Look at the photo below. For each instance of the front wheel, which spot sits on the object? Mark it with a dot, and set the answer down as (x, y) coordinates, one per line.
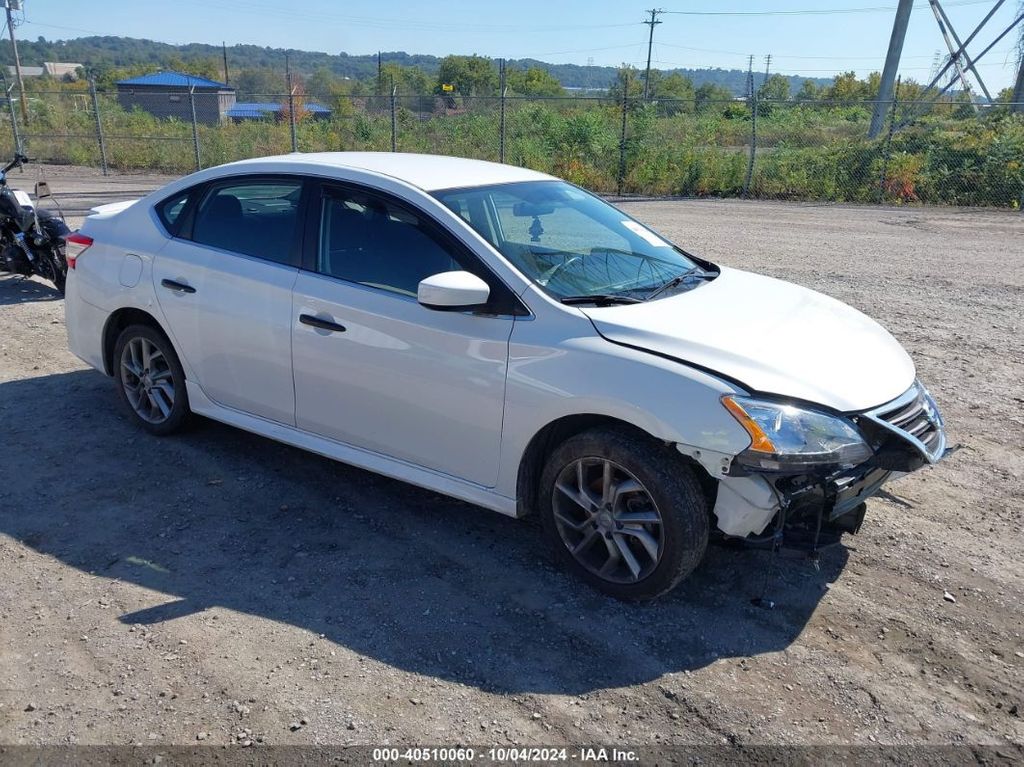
(624, 513)
(151, 381)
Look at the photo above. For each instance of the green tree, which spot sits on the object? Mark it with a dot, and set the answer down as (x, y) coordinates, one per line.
(259, 83)
(323, 85)
(775, 88)
(209, 68)
(847, 88)
(410, 81)
(673, 93)
(712, 97)
(809, 91)
(470, 75)
(535, 81)
(627, 77)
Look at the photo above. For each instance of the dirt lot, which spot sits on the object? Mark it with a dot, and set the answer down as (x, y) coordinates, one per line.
(220, 588)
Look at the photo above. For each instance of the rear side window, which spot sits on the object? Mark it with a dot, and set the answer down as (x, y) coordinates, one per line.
(252, 217)
(169, 211)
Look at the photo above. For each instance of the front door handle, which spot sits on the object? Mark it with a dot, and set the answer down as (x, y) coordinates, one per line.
(179, 287)
(316, 322)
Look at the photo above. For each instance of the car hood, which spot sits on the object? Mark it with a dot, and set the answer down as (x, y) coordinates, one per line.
(771, 336)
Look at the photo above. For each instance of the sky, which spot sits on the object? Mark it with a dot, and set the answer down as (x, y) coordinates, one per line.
(603, 32)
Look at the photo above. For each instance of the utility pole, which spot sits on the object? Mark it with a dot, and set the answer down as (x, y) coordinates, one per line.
(750, 77)
(652, 23)
(892, 63)
(17, 59)
(380, 75)
(224, 49)
(953, 52)
(1018, 90)
(767, 69)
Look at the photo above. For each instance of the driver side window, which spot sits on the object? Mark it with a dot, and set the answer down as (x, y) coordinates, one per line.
(374, 242)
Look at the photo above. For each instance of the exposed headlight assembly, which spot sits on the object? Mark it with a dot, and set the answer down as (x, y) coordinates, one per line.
(785, 437)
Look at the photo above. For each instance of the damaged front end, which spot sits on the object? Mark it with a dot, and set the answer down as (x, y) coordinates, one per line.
(807, 473)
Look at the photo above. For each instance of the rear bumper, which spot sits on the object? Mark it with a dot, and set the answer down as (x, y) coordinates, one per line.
(85, 324)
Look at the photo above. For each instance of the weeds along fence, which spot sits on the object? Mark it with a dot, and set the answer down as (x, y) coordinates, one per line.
(810, 150)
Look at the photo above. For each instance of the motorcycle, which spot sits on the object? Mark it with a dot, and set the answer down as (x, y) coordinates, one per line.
(31, 239)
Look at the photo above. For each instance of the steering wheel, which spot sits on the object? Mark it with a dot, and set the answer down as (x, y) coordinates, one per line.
(545, 278)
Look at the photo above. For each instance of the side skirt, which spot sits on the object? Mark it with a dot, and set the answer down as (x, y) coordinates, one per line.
(364, 459)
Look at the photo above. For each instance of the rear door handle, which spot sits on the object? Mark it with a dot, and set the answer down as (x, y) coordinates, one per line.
(316, 322)
(179, 287)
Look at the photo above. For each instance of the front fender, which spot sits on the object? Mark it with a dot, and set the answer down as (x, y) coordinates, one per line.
(587, 375)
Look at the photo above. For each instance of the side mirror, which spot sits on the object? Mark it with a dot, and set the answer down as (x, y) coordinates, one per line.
(450, 291)
(42, 190)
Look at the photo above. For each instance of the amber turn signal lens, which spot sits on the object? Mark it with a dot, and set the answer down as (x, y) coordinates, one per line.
(758, 439)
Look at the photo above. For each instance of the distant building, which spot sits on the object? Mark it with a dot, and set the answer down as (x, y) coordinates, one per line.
(60, 69)
(26, 71)
(166, 94)
(269, 110)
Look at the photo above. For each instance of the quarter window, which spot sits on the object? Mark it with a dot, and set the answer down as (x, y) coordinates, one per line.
(255, 218)
(374, 242)
(170, 210)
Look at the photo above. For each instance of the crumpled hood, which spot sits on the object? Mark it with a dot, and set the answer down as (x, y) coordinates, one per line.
(771, 336)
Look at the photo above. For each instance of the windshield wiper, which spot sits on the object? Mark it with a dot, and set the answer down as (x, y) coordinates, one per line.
(601, 299)
(678, 280)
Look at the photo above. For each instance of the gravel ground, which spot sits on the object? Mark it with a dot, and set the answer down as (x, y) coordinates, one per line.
(220, 588)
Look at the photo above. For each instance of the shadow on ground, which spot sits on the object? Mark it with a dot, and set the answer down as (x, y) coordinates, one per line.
(219, 517)
(19, 290)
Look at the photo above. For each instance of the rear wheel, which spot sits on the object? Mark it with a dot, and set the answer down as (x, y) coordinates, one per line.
(60, 270)
(151, 382)
(623, 513)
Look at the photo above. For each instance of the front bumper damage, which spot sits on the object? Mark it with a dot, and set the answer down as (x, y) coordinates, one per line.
(812, 510)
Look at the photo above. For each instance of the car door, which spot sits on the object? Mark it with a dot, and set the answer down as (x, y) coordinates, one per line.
(375, 369)
(225, 287)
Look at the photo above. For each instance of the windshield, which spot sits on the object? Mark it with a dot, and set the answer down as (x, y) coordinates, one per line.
(568, 241)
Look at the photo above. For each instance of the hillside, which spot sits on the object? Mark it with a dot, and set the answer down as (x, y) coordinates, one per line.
(106, 52)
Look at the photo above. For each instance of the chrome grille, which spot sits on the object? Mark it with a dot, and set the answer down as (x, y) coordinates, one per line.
(914, 417)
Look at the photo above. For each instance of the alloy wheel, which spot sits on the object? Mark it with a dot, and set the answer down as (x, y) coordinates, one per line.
(608, 520)
(147, 380)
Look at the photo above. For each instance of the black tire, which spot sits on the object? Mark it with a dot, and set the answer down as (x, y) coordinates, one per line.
(179, 411)
(60, 271)
(669, 483)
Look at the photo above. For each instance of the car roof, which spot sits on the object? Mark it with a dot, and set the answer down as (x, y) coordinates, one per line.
(429, 172)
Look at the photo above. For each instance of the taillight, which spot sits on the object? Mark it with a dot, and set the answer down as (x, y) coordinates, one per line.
(76, 245)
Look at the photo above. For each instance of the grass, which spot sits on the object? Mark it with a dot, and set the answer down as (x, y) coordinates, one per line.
(803, 152)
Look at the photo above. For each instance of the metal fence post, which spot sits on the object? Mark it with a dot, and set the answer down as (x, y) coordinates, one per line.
(887, 149)
(753, 144)
(99, 124)
(195, 126)
(622, 139)
(394, 117)
(10, 108)
(501, 128)
(291, 115)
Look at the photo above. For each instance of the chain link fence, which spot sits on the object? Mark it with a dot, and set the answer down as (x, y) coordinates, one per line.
(808, 150)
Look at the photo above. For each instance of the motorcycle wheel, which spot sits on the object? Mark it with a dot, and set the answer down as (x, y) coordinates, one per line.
(50, 267)
(60, 270)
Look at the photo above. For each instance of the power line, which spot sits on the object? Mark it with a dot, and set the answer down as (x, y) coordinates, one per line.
(817, 11)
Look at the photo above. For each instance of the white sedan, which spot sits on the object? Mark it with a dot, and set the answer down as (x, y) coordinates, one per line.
(506, 338)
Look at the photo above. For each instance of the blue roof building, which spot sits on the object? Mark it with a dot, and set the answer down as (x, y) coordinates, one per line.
(262, 110)
(177, 80)
(174, 94)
